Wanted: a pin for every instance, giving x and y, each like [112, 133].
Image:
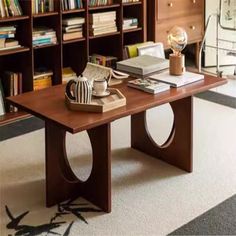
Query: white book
[143, 65]
[12, 47]
[129, 27]
[73, 21]
[177, 81]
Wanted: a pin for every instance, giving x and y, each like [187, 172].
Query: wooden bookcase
[73, 53]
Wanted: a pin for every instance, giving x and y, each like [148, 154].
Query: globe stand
[177, 64]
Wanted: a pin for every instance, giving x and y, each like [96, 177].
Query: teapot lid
[82, 78]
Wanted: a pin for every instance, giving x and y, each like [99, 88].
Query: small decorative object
[177, 39]
[100, 88]
[79, 90]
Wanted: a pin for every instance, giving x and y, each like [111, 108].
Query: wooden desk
[61, 183]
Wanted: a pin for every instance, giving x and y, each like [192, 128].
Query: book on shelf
[105, 30]
[96, 3]
[68, 74]
[2, 100]
[7, 38]
[12, 85]
[43, 36]
[143, 65]
[42, 78]
[10, 8]
[177, 81]
[71, 4]
[72, 28]
[72, 35]
[130, 23]
[108, 61]
[42, 6]
[125, 1]
[10, 48]
[41, 72]
[100, 17]
[148, 85]
[42, 83]
[73, 21]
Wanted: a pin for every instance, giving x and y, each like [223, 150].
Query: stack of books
[42, 6]
[12, 85]
[102, 23]
[43, 36]
[71, 4]
[68, 74]
[95, 3]
[73, 28]
[42, 79]
[130, 23]
[7, 38]
[142, 66]
[108, 61]
[10, 8]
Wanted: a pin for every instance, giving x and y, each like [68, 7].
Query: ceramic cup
[100, 86]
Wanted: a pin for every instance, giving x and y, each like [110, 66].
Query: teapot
[79, 90]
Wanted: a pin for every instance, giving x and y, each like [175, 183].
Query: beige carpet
[149, 197]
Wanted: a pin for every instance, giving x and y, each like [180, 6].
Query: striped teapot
[79, 90]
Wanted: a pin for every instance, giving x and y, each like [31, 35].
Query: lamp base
[177, 64]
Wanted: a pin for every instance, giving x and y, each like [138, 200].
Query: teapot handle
[68, 89]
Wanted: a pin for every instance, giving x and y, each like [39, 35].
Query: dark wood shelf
[72, 53]
[13, 116]
[104, 35]
[73, 40]
[46, 14]
[131, 3]
[46, 46]
[14, 51]
[132, 30]
[13, 18]
[73, 11]
[104, 7]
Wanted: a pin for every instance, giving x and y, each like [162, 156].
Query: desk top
[49, 104]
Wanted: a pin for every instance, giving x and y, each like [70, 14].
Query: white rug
[149, 197]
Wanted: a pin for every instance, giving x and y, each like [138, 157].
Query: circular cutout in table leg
[79, 154]
[160, 124]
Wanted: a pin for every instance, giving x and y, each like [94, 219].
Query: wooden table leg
[61, 182]
[177, 150]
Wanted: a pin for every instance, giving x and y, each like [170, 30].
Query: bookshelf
[72, 53]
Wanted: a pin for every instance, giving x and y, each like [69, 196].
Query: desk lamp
[177, 39]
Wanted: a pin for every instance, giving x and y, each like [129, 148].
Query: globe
[177, 39]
